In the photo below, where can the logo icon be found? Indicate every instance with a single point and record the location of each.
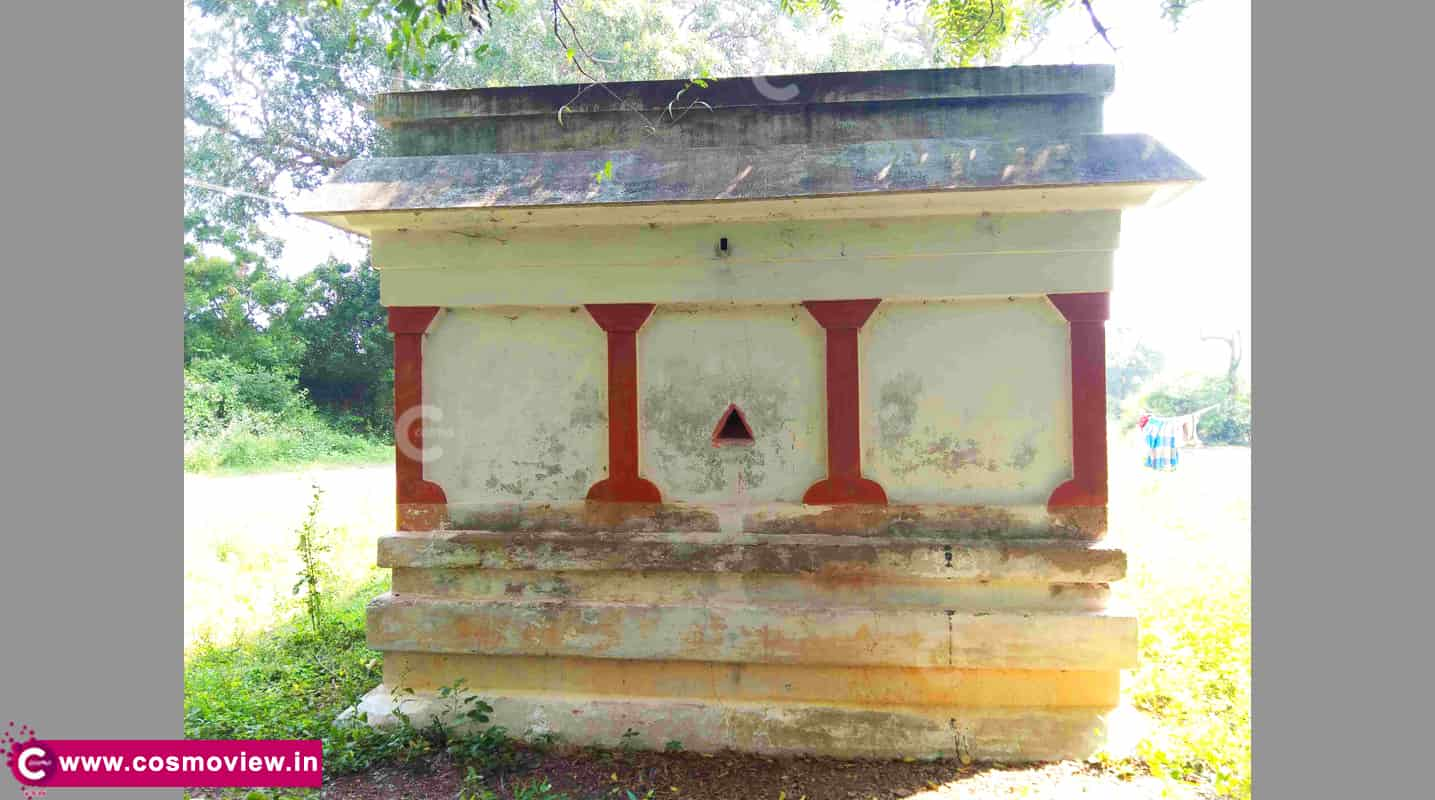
(29, 759)
(781, 94)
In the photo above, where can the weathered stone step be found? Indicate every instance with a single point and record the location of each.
(754, 634)
(982, 734)
(1050, 561)
(825, 589)
(945, 522)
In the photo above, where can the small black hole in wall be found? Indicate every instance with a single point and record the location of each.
(732, 428)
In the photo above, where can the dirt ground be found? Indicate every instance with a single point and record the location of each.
(590, 775)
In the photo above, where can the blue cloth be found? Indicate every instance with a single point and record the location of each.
(1161, 451)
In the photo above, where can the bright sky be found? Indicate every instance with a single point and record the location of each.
(1183, 269)
(1185, 266)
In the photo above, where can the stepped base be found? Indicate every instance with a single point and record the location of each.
(870, 645)
(1008, 735)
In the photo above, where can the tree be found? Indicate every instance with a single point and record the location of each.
(347, 363)
(423, 32)
(1233, 366)
(270, 100)
(237, 307)
(1130, 363)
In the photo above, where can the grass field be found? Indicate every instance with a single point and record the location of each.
(243, 453)
(240, 564)
(1188, 539)
(1187, 534)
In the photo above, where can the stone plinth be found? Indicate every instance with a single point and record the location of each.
(921, 643)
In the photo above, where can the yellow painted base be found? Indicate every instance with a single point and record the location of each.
(708, 681)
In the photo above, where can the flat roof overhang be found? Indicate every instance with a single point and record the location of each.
(892, 178)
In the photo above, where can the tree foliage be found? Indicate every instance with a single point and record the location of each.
(420, 33)
(253, 337)
(1130, 363)
(347, 363)
(237, 307)
(271, 100)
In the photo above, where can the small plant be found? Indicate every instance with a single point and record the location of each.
(313, 573)
(630, 741)
(474, 787)
(544, 742)
(458, 709)
(673, 746)
(489, 747)
(537, 789)
(460, 727)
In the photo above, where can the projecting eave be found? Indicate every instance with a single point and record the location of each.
(914, 177)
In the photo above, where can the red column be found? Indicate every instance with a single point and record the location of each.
(621, 321)
(1087, 314)
(844, 483)
(422, 504)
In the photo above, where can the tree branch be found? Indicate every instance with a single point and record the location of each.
(316, 158)
(1096, 23)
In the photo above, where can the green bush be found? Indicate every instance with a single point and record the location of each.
(218, 391)
(292, 684)
(237, 417)
(256, 440)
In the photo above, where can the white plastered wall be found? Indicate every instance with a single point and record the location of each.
(967, 401)
(964, 400)
(523, 397)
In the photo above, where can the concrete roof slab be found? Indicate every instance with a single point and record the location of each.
(672, 176)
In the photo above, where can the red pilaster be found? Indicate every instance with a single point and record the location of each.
(422, 505)
(844, 484)
(621, 321)
(1087, 314)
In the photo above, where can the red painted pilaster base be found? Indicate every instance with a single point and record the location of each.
(422, 505)
(844, 484)
(622, 321)
(1087, 314)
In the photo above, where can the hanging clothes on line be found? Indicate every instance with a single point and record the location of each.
(1165, 436)
(1161, 450)
(1185, 430)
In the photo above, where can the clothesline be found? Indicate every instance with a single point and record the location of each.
(1149, 413)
